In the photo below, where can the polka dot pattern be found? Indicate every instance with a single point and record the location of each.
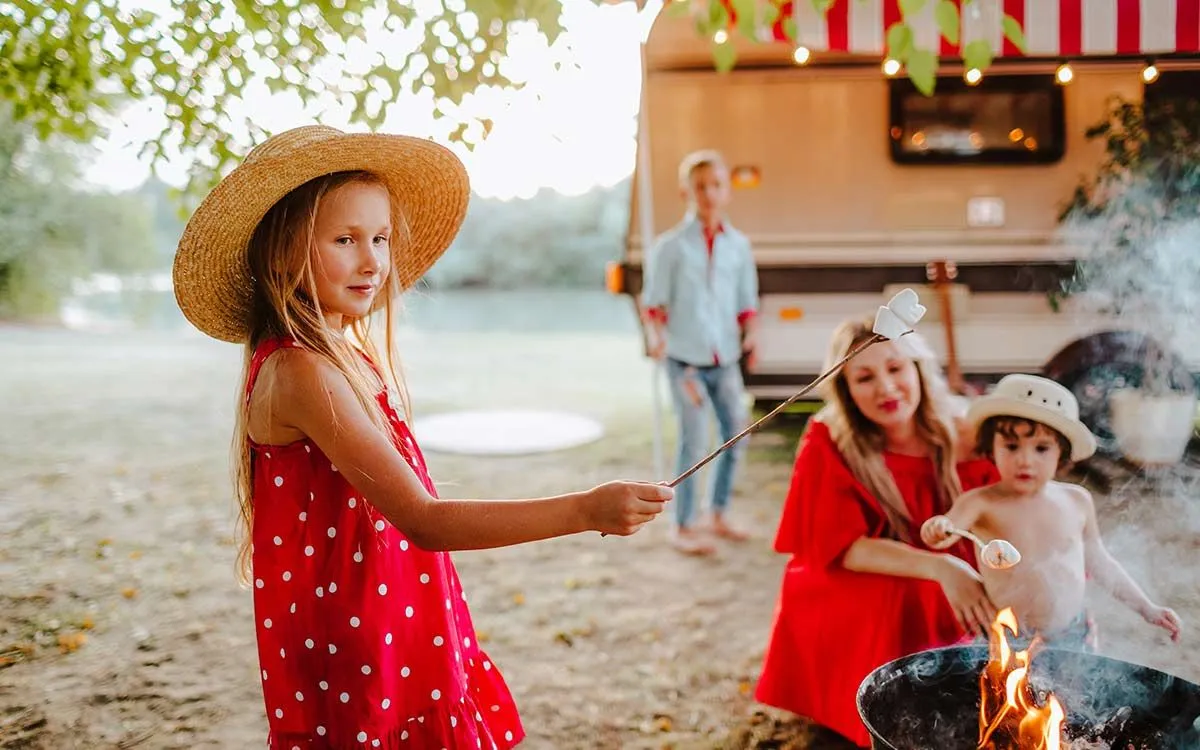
(341, 597)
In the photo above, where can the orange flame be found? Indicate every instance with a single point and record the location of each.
(1009, 719)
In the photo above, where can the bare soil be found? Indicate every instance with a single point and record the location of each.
(121, 624)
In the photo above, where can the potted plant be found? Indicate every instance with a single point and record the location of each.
(1137, 222)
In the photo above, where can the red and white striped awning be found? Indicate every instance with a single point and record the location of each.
(1053, 28)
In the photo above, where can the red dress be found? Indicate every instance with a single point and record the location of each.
(364, 640)
(834, 626)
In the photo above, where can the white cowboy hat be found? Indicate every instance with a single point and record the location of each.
(1041, 400)
(211, 274)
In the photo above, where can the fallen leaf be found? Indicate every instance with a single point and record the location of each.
(135, 555)
(564, 638)
(744, 687)
(518, 598)
(68, 642)
(87, 623)
(663, 723)
(129, 593)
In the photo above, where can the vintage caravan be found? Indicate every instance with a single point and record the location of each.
(851, 183)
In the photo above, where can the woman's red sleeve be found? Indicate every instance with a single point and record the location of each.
(823, 513)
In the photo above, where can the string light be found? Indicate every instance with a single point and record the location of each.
(801, 55)
(891, 67)
(1150, 73)
(1064, 74)
(721, 36)
(973, 76)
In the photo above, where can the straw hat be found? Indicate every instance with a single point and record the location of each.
(212, 279)
(1041, 400)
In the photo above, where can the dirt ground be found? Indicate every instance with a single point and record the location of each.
(121, 624)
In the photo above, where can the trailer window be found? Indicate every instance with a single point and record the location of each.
(1172, 86)
(1015, 119)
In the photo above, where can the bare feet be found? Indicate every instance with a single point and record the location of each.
(722, 529)
(690, 542)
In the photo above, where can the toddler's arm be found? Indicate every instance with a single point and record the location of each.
(1111, 576)
(316, 399)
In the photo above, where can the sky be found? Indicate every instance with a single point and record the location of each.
(567, 130)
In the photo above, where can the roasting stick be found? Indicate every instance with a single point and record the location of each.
(892, 321)
(808, 388)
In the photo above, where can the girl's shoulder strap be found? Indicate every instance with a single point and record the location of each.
(264, 350)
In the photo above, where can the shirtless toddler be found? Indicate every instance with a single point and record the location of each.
(1029, 427)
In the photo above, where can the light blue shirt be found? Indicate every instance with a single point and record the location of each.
(702, 296)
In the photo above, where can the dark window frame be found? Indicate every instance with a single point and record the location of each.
(901, 87)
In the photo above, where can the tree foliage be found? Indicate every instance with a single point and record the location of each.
(53, 232)
(61, 61)
(64, 62)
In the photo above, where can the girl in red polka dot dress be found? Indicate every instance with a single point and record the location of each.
(364, 636)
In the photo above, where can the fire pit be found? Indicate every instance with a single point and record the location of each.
(996, 698)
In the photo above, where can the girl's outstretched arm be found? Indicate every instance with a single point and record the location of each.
(311, 395)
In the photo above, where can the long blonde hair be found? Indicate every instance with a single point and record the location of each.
(861, 441)
(285, 304)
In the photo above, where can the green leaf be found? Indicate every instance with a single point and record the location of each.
(922, 68)
(909, 8)
(948, 23)
(747, 17)
(678, 8)
(770, 15)
(790, 30)
(899, 41)
(977, 54)
(1013, 32)
(725, 56)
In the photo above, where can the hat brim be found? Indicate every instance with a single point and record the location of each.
(211, 273)
(1083, 442)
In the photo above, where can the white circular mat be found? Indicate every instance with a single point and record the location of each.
(505, 432)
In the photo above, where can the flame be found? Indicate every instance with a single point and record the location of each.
(1009, 717)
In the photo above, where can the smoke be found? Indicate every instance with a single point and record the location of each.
(1137, 225)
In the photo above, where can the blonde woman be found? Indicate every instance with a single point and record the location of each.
(860, 589)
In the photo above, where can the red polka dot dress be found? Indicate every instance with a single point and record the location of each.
(364, 640)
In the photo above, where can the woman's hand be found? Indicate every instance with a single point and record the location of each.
(964, 590)
(938, 532)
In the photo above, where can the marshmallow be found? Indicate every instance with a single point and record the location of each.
(899, 316)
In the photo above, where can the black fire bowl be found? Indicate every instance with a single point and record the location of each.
(930, 701)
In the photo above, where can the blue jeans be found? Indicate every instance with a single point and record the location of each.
(722, 387)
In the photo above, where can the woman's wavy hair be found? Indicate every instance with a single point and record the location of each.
(861, 441)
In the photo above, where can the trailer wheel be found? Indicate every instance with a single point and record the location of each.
(1093, 367)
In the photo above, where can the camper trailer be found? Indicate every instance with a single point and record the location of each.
(852, 184)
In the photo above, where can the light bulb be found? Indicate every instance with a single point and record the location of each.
(1064, 74)
(1150, 73)
(801, 55)
(721, 36)
(973, 76)
(891, 67)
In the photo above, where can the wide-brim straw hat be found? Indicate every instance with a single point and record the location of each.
(1041, 400)
(426, 181)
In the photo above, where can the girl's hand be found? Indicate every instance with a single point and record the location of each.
(964, 590)
(1165, 618)
(622, 508)
(937, 532)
